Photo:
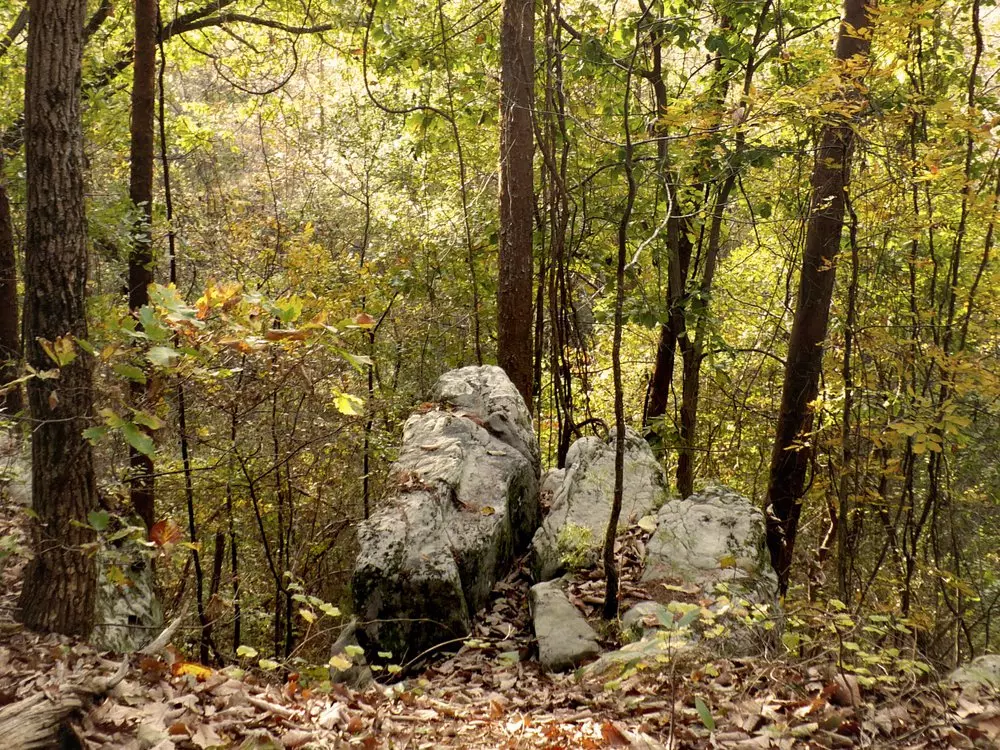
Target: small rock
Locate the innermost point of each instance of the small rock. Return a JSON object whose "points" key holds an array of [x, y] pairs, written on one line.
{"points": [[565, 639], [645, 618]]}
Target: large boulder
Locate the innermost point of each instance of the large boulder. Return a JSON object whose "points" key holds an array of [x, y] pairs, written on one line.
{"points": [[572, 534], [715, 536], [465, 501]]}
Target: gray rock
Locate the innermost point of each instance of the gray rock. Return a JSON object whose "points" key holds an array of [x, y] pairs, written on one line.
{"points": [[573, 532], [655, 650], [466, 499], [15, 467], [359, 675], [983, 672], [714, 536], [127, 610], [645, 618], [565, 639]]}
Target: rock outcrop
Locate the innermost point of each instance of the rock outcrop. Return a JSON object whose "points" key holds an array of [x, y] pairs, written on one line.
{"points": [[982, 673], [565, 639], [572, 533], [127, 610], [714, 536], [465, 500]]}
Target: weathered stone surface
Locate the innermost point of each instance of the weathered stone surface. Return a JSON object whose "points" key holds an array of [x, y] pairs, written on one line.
{"points": [[573, 532], [645, 618], [15, 467], [565, 639], [359, 675], [983, 672], [127, 610], [714, 536], [466, 499]]}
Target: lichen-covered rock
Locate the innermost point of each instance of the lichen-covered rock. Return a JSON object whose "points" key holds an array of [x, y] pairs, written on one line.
{"points": [[983, 672], [358, 675], [565, 639], [715, 536], [645, 618], [15, 467], [572, 533], [127, 610], [466, 499]]}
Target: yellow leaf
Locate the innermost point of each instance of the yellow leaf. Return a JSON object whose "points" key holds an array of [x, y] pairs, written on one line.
{"points": [[200, 671], [340, 662]]}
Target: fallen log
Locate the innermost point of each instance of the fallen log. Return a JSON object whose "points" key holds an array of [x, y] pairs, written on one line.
{"points": [[42, 720]]}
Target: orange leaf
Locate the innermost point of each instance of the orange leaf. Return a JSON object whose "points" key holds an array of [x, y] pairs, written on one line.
{"points": [[280, 334], [614, 736], [364, 319], [165, 532]]}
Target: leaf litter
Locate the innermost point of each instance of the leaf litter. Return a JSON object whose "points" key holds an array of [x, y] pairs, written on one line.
{"points": [[490, 694]]}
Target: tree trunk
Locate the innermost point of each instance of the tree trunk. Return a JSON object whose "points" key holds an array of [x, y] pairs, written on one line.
{"points": [[830, 178], [140, 262], [517, 62], [60, 580], [10, 334]]}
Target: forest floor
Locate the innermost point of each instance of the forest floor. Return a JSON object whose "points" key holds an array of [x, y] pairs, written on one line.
{"points": [[480, 697]]}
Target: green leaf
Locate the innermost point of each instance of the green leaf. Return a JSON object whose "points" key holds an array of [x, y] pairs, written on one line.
{"points": [[162, 356], [99, 519], [704, 714], [352, 650], [94, 434], [130, 372], [329, 609], [138, 439], [268, 665], [246, 651], [151, 421]]}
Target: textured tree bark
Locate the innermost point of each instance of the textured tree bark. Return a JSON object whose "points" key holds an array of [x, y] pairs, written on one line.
{"points": [[60, 580], [10, 333], [140, 262], [517, 66], [830, 178]]}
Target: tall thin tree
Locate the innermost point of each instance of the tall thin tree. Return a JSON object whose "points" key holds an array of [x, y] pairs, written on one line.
{"points": [[10, 334], [830, 179], [517, 202], [60, 581], [140, 261]]}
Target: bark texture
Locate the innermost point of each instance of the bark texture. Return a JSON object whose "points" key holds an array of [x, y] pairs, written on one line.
{"points": [[140, 262], [517, 63], [831, 175], [10, 334], [60, 580]]}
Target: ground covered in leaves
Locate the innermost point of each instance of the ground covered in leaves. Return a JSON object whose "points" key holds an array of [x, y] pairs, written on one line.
{"points": [[490, 694]]}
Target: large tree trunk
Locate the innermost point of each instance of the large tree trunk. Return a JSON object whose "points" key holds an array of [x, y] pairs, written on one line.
{"points": [[10, 334], [517, 62], [60, 580], [831, 175], [140, 262]]}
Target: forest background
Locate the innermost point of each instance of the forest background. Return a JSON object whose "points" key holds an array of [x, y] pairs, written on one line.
{"points": [[324, 238]]}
